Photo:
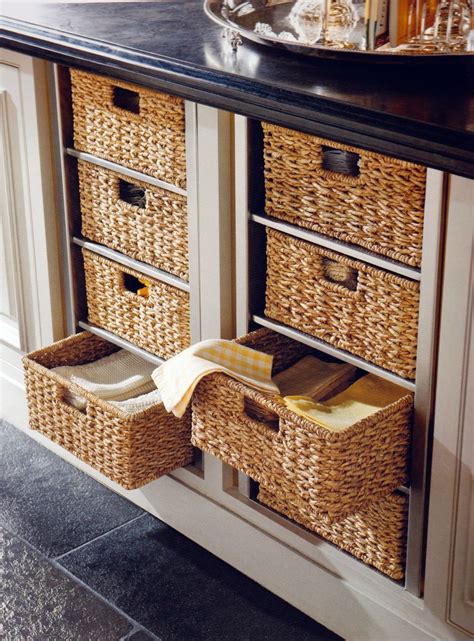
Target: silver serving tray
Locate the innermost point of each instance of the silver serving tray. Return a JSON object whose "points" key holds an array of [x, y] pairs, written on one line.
{"points": [[268, 22]]}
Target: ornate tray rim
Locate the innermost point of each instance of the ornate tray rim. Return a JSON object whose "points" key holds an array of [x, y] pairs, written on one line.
{"points": [[213, 8]]}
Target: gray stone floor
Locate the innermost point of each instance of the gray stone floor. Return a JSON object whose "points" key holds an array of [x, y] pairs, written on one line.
{"points": [[81, 563]]}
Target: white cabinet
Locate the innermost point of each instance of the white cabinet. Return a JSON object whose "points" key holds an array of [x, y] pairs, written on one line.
{"points": [[208, 505]]}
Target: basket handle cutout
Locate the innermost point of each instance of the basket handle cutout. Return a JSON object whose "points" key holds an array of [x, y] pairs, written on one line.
{"points": [[261, 414], [134, 285], [132, 194], [339, 161], [126, 99], [340, 274], [74, 403]]}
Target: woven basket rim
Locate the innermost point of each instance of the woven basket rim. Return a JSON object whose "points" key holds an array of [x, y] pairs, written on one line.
{"points": [[146, 185], [129, 270], [339, 145], [30, 362], [77, 73], [279, 408], [345, 260], [395, 497]]}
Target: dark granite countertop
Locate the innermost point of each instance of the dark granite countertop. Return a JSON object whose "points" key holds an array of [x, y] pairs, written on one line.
{"points": [[423, 113]]}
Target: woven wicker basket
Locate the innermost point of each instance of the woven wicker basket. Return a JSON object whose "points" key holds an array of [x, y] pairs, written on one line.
{"points": [[354, 306], [130, 125], [154, 231], [381, 208], [334, 473], [376, 535], [158, 323], [130, 449]]}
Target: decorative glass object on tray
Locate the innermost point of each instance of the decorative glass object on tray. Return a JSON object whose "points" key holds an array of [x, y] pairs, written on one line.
{"points": [[393, 27]]}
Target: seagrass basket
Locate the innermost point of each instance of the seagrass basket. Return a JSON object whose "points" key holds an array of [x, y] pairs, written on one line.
{"points": [[379, 205], [159, 323], [347, 303], [376, 535], [130, 449], [130, 125], [135, 218], [334, 473]]}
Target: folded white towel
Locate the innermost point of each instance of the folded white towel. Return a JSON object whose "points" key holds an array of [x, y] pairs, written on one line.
{"points": [[119, 376], [138, 403], [80, 402]]}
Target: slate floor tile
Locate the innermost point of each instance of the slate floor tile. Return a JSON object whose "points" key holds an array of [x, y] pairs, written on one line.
{"points": [[180, 592], [50, 503], [41, 603]]}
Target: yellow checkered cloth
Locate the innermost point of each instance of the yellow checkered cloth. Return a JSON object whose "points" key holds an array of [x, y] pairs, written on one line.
{"points": [[177, 378]]}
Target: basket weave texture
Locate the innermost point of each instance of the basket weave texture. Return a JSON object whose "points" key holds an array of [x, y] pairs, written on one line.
{"points": [[159, 323], [381, 209], [130, 449], [151, 141], [376, 535], [377, 320], [156, 234], [334, 474]]}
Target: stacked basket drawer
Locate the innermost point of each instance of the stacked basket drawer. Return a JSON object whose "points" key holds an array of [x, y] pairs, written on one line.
{"points": [[376, 535], [144, 131], [352, 305], [356, 196], [130, 148], [138, 219], [130, 125]]}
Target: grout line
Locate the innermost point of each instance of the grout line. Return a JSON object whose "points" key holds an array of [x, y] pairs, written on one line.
{"points": [[135, 626], [79, 581], [139, 628], [97, 538], [129, 634]]}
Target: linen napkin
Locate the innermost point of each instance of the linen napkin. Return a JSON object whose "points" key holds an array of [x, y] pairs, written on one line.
{"points": [[313, 377], [365, 397]]}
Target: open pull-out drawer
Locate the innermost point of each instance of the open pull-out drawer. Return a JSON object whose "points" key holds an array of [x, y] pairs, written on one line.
{"points": [[130, 448]]}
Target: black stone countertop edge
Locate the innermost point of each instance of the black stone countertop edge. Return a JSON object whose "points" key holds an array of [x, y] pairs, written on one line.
{"points": [[430, 144]]}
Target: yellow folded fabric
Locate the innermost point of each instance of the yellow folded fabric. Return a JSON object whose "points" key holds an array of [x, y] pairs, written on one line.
{"points": [[365, 397], [177, 378]]}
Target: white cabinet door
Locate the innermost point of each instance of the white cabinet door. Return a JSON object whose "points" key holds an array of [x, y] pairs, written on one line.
{"points": [[449, 589], [30, 300]]}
